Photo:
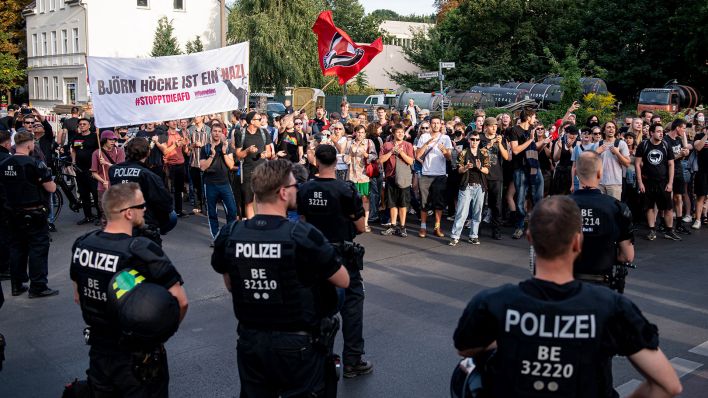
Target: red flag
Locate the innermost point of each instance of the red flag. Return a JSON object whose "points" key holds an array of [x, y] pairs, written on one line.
{"points": [[338, 54]]}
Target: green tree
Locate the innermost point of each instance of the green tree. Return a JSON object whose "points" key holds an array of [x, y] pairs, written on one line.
{"points": [[13, 56], [349, 16], [389, 15], [165, 43], [194, 46], [574, 65], [283, 52], [12, 73]]}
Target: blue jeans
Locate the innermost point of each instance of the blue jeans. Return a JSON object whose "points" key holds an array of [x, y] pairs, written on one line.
{"points": [[374, 197], [522, 185], [472, 197], [214, 193]]}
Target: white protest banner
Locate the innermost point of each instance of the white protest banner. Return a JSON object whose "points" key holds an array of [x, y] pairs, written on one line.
{"points": [[128, 91]]}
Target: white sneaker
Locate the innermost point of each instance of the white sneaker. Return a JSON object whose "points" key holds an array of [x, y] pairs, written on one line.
{"points": [[687, 218], [696, 224]]}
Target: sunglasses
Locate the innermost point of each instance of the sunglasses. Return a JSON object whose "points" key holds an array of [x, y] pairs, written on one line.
{"points": [[141, 206], [27, 122], [337, 128], [298, 124], [290, 186], [425, 128], [474, 139]]}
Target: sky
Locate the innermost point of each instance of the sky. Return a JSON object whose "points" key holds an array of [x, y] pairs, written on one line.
{"points": [[403, 7]]}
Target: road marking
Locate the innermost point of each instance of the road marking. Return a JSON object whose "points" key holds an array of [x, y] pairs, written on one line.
{"points": [[684, 366], [628, 387], [701, 349]]}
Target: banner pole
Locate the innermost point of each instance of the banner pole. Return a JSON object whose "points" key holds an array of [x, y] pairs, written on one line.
{"points": [[311, 99]]}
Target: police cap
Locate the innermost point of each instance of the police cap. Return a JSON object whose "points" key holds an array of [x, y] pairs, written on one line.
{"points": [[147, 313]]}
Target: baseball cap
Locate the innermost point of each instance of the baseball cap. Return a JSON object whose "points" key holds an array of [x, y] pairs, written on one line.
{"points": [[108, 135]]}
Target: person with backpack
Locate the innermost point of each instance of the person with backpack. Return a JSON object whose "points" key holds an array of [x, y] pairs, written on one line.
{"points": [[253, 147], [216, 159], [615, 157]]}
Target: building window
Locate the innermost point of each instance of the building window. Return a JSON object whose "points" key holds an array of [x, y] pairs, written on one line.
{"points": [[54, 43], [52, 5], [44, 44], [46, 87], [56, 88], [34, 45], [75, 32], [36, 88], [143, 3], [41, 5], [64, 41], [178, 5]]}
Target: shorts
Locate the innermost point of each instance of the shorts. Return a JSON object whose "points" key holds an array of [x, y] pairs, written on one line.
{"points": [[397, 197], [432, 191], [247, 190], [700, 183], [655, 194], [363, 188], [679, 187]]}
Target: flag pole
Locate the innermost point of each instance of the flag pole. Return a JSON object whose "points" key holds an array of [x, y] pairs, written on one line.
{"points": [[311, 99]]}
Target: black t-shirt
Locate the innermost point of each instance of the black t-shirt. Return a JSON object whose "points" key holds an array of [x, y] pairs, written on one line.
{"points": [[84, 146], [495, 158], [506, 315], [72, 127], [655, 160], [702, 155], [675, 144], [473, 176], [22, 178], [6, 123], [218, 171], [328, 204], [290, 142], [519, 135], [252, 159]]}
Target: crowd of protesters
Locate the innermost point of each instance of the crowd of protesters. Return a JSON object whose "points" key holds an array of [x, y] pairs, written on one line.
{"points": [[404, 164]]}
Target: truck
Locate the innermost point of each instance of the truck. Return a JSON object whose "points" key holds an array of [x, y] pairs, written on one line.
{"points": [[671, 98], [372, 102]]}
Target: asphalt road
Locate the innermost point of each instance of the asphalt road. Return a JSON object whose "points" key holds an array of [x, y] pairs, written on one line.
{"points": [[416, 290]]}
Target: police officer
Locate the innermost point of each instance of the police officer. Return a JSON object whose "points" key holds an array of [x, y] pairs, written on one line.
{"points": [[607, 225], [123, 363], [282, 277], [160, 217], [27, 184], [555, 336], [5, 146], [335, 208]]}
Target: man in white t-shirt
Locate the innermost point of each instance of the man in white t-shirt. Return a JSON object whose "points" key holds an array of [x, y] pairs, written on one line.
{"points": [[432, 150], [615, 157]]}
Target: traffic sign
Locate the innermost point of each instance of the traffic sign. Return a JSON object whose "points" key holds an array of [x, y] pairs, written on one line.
{"points": [[427, 75], [447, 65]]}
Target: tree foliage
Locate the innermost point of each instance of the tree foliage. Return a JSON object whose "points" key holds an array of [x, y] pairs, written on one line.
{"points": [[194, 46], [641, 43], [165, 43], [282, 45], [390, 15], [13, 56], [349, 16]]}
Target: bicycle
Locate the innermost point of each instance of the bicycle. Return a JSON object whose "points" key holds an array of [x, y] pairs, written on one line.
{"points": [[66, 182]]}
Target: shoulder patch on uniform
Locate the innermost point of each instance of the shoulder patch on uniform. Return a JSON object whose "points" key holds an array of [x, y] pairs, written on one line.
{"points": [[139, 244], [307, 235]]}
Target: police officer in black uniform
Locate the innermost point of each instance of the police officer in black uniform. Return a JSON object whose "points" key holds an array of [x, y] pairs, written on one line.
{"points": [[5, 146], [282, 277], [335, 208], [123, 363], [607, 227], [160, 217], [555, 336], [27, 184]]}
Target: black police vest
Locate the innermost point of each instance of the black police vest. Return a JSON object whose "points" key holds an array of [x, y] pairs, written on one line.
{"points": [[266, 291], [600, 232], [547, 348], [321, 205], [20, 176], [132, 171], [94, 261]]}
